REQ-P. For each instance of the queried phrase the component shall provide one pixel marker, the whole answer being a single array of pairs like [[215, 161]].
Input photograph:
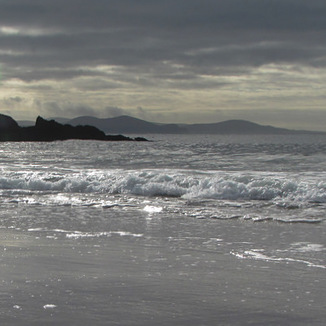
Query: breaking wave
[[187, 184]]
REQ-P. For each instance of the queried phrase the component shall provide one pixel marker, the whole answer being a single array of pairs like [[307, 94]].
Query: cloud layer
[[165, 60]]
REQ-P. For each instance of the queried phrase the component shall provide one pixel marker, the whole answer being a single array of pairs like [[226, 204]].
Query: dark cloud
[[135, 33], [12, 102], [15, 99], [112, 111], [53, 109], [175, 14], [181, 45], [147, 114]]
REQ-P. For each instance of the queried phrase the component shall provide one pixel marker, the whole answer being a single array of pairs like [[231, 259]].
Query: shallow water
[[163, 272]]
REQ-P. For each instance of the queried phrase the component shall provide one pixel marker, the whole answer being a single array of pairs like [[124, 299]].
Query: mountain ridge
[[130, 125], [125, 124]]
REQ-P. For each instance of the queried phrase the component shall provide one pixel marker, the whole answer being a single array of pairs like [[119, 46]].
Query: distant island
[[129, 125], [50, 130]]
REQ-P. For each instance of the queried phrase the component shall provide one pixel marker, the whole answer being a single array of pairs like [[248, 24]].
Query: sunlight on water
[[181, 230]]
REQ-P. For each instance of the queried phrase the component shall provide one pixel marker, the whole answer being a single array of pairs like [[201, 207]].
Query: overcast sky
[[165, 60]]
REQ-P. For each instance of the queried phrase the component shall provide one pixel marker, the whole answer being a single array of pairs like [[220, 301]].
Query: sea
[[180, 230]]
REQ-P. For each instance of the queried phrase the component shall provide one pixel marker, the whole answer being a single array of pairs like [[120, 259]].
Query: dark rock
[[8, 128], [46, 130], [50, 130], [140, 139], [118, 138], [7, 123]]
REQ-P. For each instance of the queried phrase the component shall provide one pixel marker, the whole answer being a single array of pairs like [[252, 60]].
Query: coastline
[[127, 280]]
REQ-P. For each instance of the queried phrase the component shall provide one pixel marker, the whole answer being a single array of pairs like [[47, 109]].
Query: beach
[[177, 231], [168, 275]]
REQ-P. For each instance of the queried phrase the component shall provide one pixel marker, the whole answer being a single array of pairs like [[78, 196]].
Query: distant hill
[[129, 125], [58, 119], [236, 127], [126, 124]]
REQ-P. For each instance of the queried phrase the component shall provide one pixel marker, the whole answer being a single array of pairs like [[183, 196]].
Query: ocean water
[[182, 230]]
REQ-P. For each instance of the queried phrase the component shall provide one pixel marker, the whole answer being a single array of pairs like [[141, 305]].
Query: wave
[[284, 189], [259, 255], [79, 234]]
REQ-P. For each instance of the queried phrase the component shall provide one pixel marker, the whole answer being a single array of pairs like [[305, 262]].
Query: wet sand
[[133, 281]]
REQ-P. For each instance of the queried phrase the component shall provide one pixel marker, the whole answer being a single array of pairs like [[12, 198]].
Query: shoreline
[[125, 280]]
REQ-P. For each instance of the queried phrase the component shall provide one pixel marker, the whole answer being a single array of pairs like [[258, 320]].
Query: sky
[[180, 61]]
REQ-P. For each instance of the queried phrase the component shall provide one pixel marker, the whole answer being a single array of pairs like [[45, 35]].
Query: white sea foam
[[307, 247], [283, 190], [152, 209], [78, 235], [49, 306], [18, 307], [257, 254]]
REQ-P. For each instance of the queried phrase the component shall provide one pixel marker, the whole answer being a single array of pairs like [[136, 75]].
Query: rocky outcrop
[[9, 128], [50, 130], [7, 123]]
